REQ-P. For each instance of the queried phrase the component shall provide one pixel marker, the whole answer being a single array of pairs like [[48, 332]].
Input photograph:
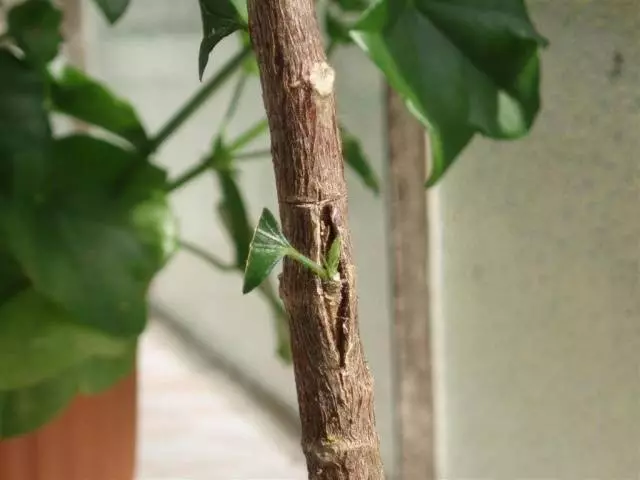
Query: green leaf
[[74, 93], [355, 158], [99, 373], [102, 234], [250, 64], [113, 9], [220, 18], [232, 207], [336, 28], [27, 409], [353, 6], [267, 248], [462, 66], [281, 322], [12, 279], [241, 8], [35, 25], [25, 134], [38, 341], [333, 258], [236, 214]]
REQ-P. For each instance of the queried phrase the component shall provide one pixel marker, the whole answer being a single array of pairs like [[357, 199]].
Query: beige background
[[539, 251]]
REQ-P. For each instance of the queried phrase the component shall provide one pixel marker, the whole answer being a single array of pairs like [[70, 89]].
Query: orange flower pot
[[94, 439]]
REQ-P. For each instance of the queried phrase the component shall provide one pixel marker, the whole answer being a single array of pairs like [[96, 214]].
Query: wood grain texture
[[411, 304], [334, 385]]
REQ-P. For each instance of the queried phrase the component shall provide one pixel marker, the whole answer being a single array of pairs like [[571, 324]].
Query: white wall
[[539, 252]]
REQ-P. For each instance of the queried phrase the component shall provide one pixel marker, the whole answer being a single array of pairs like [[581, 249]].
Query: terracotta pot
[[94, 439]]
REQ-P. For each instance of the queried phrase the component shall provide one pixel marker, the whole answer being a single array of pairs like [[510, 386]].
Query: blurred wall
[[538, 244], [151, 58]]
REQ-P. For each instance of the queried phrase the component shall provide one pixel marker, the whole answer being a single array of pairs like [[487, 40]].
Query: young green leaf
[[220, 18], [39, 340], [463, 67], [80, 96], [333, 259], [103, 233], [355, 158], [35, 25], [267, 248], [113, 10]]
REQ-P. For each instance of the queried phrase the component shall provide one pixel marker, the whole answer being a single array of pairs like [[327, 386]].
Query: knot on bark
[[322, 77]]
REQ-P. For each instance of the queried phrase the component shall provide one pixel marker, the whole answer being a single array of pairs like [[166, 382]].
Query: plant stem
[[206, 256], [235, 100], [333, 381], [190, 174], [307, 262], [195, 102], [248, 136], [266, 290], [251, 155]]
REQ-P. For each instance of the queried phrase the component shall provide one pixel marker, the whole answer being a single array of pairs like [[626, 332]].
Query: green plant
[[84, 218]]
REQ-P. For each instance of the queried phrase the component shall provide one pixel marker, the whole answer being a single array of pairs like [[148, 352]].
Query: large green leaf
[[38, 341], [241, 8], [352, 5], [99, 373], [356, 159], [76, 94], [102, 233], [113, 10], [268, 247], [337, 29], [12, 279], [24, 410], [25, 135], [35, 25], [220, 18], [463, 67]]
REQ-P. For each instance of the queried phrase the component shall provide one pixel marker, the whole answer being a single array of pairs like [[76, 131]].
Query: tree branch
[[335, 388]]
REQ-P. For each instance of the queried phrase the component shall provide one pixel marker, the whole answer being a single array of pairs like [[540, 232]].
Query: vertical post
[[411, 319]]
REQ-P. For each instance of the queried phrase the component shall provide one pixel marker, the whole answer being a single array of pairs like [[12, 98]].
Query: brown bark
[[334, 385], [411, 300]]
